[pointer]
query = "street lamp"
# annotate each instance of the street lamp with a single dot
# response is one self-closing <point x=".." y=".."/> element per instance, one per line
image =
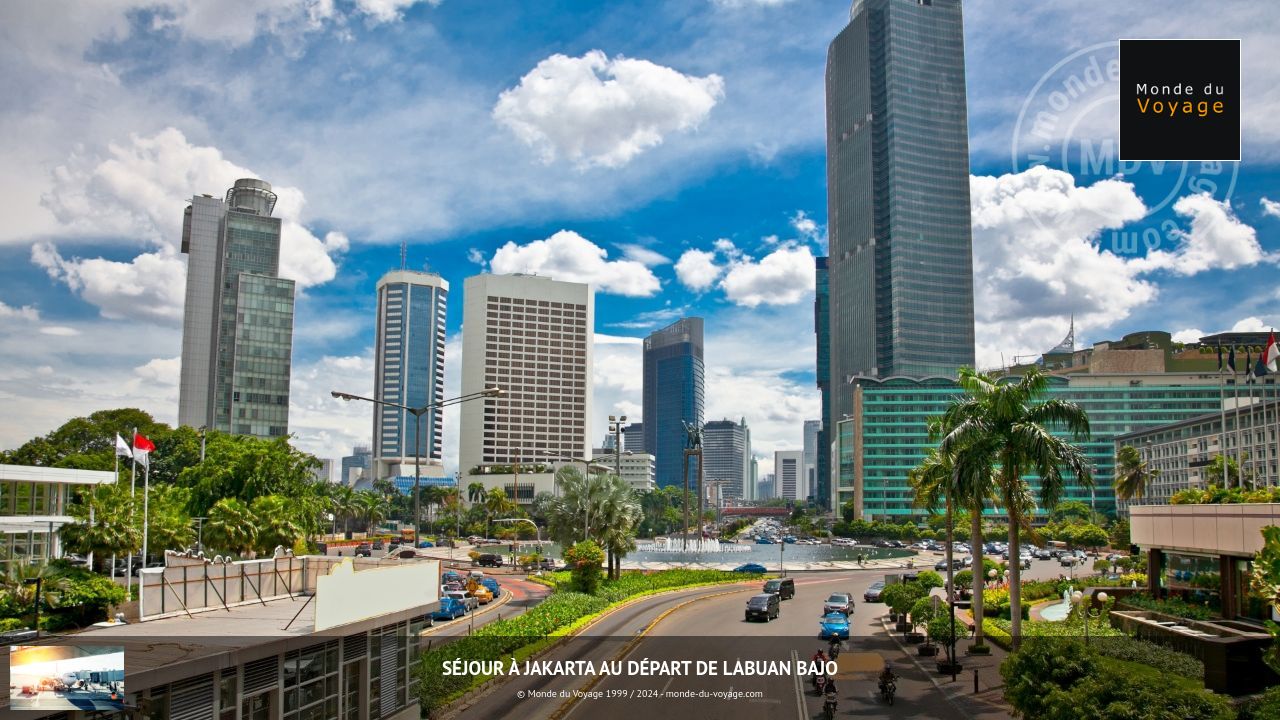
<point x="1087" y="611"/>
<point x="991" y="575"/>
<point x="417" y="439"/>
<point x="615" y="427"/>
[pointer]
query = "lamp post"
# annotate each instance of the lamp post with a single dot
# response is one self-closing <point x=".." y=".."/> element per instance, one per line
<point x="417" y="450"/>
<point x="1087" y="611"/>
<point x="991" y="575"/>
<point x="615" y="427"/>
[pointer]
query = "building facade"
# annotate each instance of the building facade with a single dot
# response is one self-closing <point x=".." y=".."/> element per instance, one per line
<point x="237" y="328"/>
<point x="33" y="507"/>
<point x="357" y="465"/>
<point x="751" y="492"/>
<point x="633" y="437"/>
<point x="812" y="428"/>
<point x="822" y="329"/>
<point x="788" y="474"/>
<point x="886" y="435"/>
<point x="900" y="267"/>
<point x="409" y="368"/>
<point x="638" y="469"/>
<point x="530" y="336"/>
<point x="673" y="395"/>
<point x="726" y="448"/>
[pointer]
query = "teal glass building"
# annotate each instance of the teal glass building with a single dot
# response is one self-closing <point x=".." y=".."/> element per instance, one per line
<point x="822" y="329"/>
<point x="886" y="437"/>
<point x="673" y="394"/>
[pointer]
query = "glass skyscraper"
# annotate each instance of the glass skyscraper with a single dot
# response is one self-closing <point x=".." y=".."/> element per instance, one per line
<point x="673" y="394"/>
<point x="822" y="328"/>
<point x="726" y="445"/>
<point x="237" y="332"/>
<point x="409" y="364"/>
<point x="900" y="266"/>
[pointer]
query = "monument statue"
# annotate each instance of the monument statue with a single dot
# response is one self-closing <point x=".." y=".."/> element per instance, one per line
<point x="693" y="435"/>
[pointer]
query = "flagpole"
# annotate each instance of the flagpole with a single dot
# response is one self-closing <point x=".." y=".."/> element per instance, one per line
<point x="133" y="487"/>
<point x="1222" y="420"/>
<point x="146" y="516"/>
<point x="1235" y="394"/>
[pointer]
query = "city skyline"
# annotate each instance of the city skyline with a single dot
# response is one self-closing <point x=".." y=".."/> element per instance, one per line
<point x="714" y="204"/>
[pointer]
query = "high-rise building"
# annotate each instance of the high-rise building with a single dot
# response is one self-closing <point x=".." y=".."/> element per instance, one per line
<point x="356" y="466"/>
<point x="788" y="470"/>
<point x="900" y="266"/>
<point x="409" y="370"/>
<point x="726" y="446"/>
<point x="636" y="468"/>
<point x="237" y="324"/>
<point x="811" y="430"/>
<point x="531" y="337"/>
<point x="633" y="437"/>
<point x="673" y="395"/>
<point x="753" y="486"/>
<point x="822" y="328"/>
<point x="767" y="488"/>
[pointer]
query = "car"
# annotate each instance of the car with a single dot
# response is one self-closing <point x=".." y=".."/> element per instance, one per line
<point x="833" y="625"/>
<point x="1025" y="562"/>
<point x="840" y="602"/>
<point x="451" y="576"/>
<point x="874" y="593"/>
<point x="1068" y="560"/>
<point x="465" y="598"/>
<point x="756" y="568"/>
<point x="75" y="559"/>
<point x="450" y="587"/>
<point x="426" y="544"/>
<point x="1043" y="554"/>
<point x="784" y="587"/>
<point x="956" y="564"/>
<point x="450" y="609"/>
<point x="364" y="549"/>
<point x="883" y="544"/>
<point x="480" y="593"/>
<point x="377" y="545"/>
<point x="137" y="567"/>
<point x="764" y="605"/>
<point x="547" y="564"/>
<point x="489" y="560"/>
<point x="492" y="586"/>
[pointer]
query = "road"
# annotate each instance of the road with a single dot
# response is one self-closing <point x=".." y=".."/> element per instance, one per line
<point x="708" y="625"/>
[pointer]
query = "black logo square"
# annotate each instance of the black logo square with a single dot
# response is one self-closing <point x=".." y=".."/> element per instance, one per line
<point x="1180" y="100"/>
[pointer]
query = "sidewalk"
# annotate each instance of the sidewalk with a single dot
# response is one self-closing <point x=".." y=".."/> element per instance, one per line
<point x="988" y="703"/>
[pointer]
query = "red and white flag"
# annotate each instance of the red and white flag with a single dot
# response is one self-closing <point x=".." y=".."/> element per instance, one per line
<point x="1270" y="353"/>
<point x="142" y="448"/>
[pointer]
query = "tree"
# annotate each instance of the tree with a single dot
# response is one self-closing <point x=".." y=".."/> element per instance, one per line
<point x="619" y="517"/>
<point x="476" y="493"/>
<point x="112" y="531"/>
<point x="1042" y="665"/>
<point x="169" y="526"/>
<point x="1006" y="426"/>
<point x="1265" y="583"/>
<point x="1088" y="535"/>
<point x="1215" y="474"/>
<point x="231" y="527"/>
<point x="584" y="561"/>
<point x="276" y="522"/>
<point x="1119" y="534"/>
<point x="1132" y="474"/>
<point x="1071" y="511"/>
<point x="342" y="503"/>
<point x="373" y="508"/>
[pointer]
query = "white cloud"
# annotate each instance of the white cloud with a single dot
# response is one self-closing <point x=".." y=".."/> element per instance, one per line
<point x="475" y="256"/>
<point x="1217" y="240"/>
<point x="697" y="270"/>
<point x="139" y="192"/>
<point x="782" y="277"/>
<point x="383" y="11"/>
<point x="59" y="330"/>
<point x="1189" y="335"/>
<point x="321" y="424"/>
<point x="653" y="319"/>
<point x="807" y="228"/>
<point x="161" y="371"/>
<point x="1250" y="324"/>
<point x="26" y="312"/>
<point x="567" y="255"/>
<point x="646" y="256"/>
<point x="595" y="111"/>
<point x="1270" y="207"/>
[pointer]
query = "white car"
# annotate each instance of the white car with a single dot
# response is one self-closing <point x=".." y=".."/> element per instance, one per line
<point x="469" y="601"/>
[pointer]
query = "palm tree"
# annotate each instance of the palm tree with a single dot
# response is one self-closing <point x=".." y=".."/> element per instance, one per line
<point x="373" y="507"/>
<point x="276" y="523"/>
<point x="934" y="481"/>
<point x="476" y="492"/>
<point x="231" y="526"/>
<point x="342" y="503"/>
<point x="1132" y="474"/>
<point x="112" y="530"/>
<point x="567" y="514"/>
<point x="619" y="514"/>
<point x="1007" y="427"/>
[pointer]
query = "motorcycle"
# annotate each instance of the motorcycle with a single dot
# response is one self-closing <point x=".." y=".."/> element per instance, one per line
<point x="834" y="650"/>
<point x="888" y="686"/>
<point x="829" y="706"/>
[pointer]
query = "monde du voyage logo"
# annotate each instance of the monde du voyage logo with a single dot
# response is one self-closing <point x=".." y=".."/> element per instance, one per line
<point x="1180" y="100"/>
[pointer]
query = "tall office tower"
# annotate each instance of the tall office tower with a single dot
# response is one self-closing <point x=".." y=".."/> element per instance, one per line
<point x="237" y="324"/>
<point x="754" y="484"/>
<point x="633" y="438"/>
<point x="726" y="445"/>
<point x="767" y="489"/>
<point x="900" y="265"/>
<point x="531" y="337"/>
<point x="356" y="465"/>
<point x="673" y="395"/>
<point x="409" y="369"/>
<point x="811" y="430"/>
<point x="788" y="469"/>
<point x="822" y="328"/>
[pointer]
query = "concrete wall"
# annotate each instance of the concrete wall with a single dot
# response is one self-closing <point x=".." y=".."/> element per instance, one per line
<point x="1205" y="529"/>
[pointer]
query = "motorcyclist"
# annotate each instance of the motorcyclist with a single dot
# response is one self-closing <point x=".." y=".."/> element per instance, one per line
<point x="819" y="660"/>
<point x="887" y="676"/>
<point x="833" y="648"/>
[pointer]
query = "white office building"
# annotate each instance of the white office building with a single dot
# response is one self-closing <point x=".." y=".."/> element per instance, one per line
<point x="788" y="470"/>
<point x="33" y="506"/>
<point x="638" y="469"/>
<point x="531" y="337"/>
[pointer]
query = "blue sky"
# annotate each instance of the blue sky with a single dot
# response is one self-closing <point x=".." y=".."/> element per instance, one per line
<point x="671" y="153"/>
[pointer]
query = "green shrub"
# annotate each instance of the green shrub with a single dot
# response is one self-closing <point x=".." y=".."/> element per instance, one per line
<point x="1041" y="667"/>
<point x="10" y="624"/>
<point x="1170" y="606"/>
<point x="1263" y="707"/>
<point x="921" y="612"/>
<point x="584" y="561"/>
<point x="940" y="628"/>
<point x="1124" y="697"/>
<point x="929" y="579"/>
<point x="1150" y="654"/>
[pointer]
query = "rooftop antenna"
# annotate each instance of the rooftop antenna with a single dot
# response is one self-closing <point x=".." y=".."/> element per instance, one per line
<point x="404" y="254"/>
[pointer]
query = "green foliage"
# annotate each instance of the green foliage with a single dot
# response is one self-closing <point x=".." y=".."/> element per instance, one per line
<point x="1215" y="495"/>
<point x="1169" y="606"/>
<point x="1123" y="697"/>
<point x="1118" y="534"/>
<point x="231" y="527"/>
<point x="1072" y="628"/>
<point x="10" y="624"/>
<point x="996" y="603"/>
<point x="929" y="579"/>
<point x="941" y="625"/>
<point x="1040" y="667"/>
<point x="901" y="596"/>
<point x="1263" y="707"/>
<point x="274" y="518"/>
<point x="1148" y="653"/>
<point x="922" y="612"/>
<point x="1265" y="584"/>
<point x="585" y="559"/>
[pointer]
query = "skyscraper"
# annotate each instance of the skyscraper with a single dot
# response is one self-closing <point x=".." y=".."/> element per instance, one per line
<point x="788" y="466"/>
<point x="811" y="430"/>
<point x="356" y="465"/>
<point x="531" y="337"/>
<point x="237" y="324"/>
<point x="633" y="437"/>
<point x="673" y="395"/>
<point x="822" y="328"/>
<point x="900" y="266"/>
<point x="409" y="367"/>
<point x="726" y="446"/>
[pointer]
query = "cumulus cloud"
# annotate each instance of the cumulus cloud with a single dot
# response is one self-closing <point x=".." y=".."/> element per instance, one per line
<point x="596" y="111"/>
<point x="807" y="228"/>
<point x="644" y="255"/>
<point x="697" y="270"/>
<point x="475" y="256"/>
<point x="567" y="255"/>
<point x="26" y="312"/>
<point x="138" y="191"/>
<point x="384" y="11"/>
<point x="782" y="277"/>
<point x="162" y="371"/>
<point x="1249" y="324"/>
<point x="1189" y="335"/>
<point x="1217" y="240"/>
<point x="1270" y="207"/>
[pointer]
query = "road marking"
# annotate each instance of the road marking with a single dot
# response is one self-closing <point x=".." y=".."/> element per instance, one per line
<point x="795" y="663"/>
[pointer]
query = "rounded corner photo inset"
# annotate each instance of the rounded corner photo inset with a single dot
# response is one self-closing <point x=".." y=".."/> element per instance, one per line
<point x="66" y="677"/>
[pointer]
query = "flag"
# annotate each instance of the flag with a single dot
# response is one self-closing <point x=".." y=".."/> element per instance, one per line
<point x="1219" y="358"/>
<point x="142" y="448"/>
<point x="122" y="447"/>
<point x="1248" y="364"/>
<point x="1231" y="365"/>
<point x="1270" y="353"/>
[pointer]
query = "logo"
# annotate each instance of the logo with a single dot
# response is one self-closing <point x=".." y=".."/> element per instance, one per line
<point x="1068" y="121"/>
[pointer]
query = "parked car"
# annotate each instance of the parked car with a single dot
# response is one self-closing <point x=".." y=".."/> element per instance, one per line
<point x="465" y="598"/>
<point x="137" y="567"/>
<point x="492" y="585"/>
<point x="1043" y="554"/>
<point x="833" y="625"/>
<point x="751" y="568"/>
<point x="956" y="564"/>
<point x="450" y="608"/>
<point x="364" y="550"/>
<point x="874" y="592"/>
<point x="489" y="560"/>
<point x="764" y="605"/>
<point x="75" y="559"/>
<point x="784" y="587"/>
<point x="426" y="544"/>
<point x="1068" y="560"/>
<point x="481" y="594"/>
<point x="838" y="602"/>
<point x="547" y="564"/>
